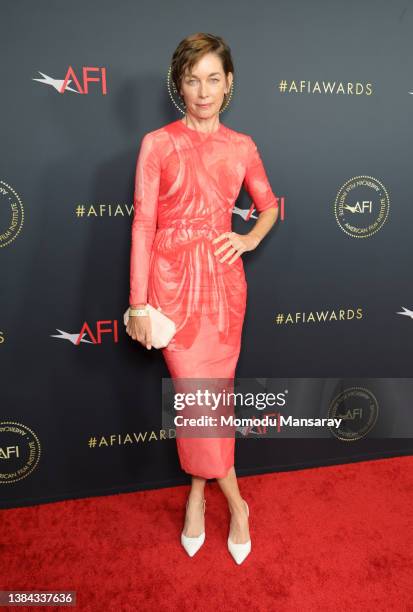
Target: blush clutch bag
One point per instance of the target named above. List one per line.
(163, 328)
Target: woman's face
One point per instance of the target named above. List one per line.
(203, 89)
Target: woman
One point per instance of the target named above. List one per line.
(186, 259)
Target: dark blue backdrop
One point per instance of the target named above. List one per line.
(325, 91)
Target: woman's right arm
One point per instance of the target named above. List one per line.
(147, 179)
(145, 201)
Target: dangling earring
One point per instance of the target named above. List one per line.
(171, 85)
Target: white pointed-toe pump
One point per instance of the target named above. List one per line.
(240, 551)
(192, 545)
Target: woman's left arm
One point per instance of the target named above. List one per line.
(258, 186)
(262, 226)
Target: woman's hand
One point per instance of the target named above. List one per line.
(139, 328)
(236, 244)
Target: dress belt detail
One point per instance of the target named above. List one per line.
(197, 226)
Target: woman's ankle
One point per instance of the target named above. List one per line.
(195, 498)
(237, 507)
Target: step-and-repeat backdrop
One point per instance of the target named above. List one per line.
(326, 91)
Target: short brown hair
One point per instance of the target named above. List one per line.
(192, 48)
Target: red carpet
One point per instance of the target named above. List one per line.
(330, 538)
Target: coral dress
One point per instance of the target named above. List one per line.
(186, 184)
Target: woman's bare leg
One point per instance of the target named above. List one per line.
(239, 529)
(194, 518)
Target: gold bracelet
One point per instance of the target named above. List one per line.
(138, 312)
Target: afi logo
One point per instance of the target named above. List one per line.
(9, 452)
(95, 338)
(81, 82)
(352, 414)
(360, 207)
(99, 331)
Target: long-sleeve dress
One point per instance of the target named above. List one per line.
(186, 184)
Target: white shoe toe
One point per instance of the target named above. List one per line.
(192, 545)
(239, 551)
